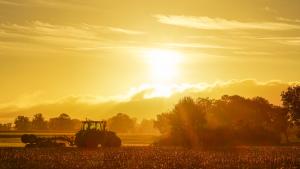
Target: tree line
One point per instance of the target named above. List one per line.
(230, 120)
(120, 123)
(61, 123)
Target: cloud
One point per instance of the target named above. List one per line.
(201, 22)
(252, 53)
(9, 2)
(26, 100)
(76, 4)
(292, 42)
(147, 101)
(269, 9)
(192, 45)
(83, 36)
(288, 20)
(125, 31)
(81, 31)
(286, 40)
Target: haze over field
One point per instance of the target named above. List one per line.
(97, 58)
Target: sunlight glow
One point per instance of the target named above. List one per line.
(163, 64)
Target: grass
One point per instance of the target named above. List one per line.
(151, 158)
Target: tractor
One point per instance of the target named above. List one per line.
(91, 135)
(94, 133)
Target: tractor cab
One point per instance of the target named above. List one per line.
(93, 125)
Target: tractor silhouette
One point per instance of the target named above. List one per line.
(94, 134)
(91, 135)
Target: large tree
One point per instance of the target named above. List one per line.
(38, 122)
(121, 123)
(146, 126)
(291, 101)
(62, 122)
(229, 120)
(22, 123)
(185, 122)
(280, 121)
(162, 123)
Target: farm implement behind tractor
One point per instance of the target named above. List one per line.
(32, 140)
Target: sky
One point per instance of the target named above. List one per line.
(95, 58)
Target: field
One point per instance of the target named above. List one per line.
(136, 154)
(151, 158)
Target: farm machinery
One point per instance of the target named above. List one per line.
(32, 141)
(91, 135)
(94, 133)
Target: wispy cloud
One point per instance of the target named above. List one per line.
(75, 31)
(67, 36)
(125, 31)
(10, 2)
(286, 40)
(201, 22)
(295, 42)
(192, 45)
(48, 3)
(269, 9)
(288, 20)
(253, 53)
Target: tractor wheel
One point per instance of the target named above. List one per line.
(111, 140)
(80, 139)
(88, 139)
(29, 138)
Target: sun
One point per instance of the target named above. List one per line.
(163, 64)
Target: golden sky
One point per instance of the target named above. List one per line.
(111, 50)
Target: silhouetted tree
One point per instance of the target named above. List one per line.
(250, 119)
(22, 123)
(187, 121)
(62, 122)
(229, 120)
(76, 124)
(38, 122)
(121, 123)
(291, 101)
(162, 123)
(146, 126)
(280, 121)
(231, 109)
(5, 127)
